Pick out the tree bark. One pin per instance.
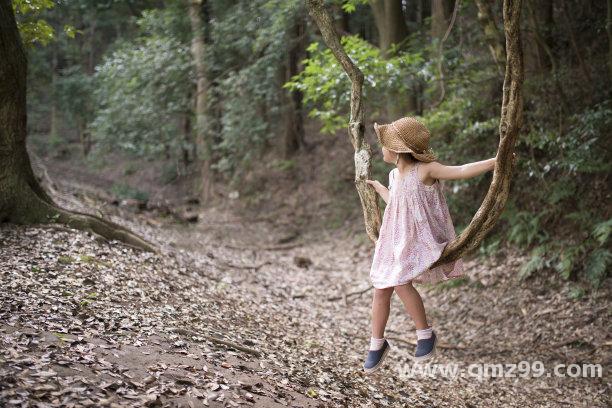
(609, 30)
(543, 10)
(294, 121)
(439, 18)
(22, 199)
(392, 29)
(441, 56)
(389, 19)
(363, 152)
(197, 51)
(552, 64)
(493, 37)
(574, 41)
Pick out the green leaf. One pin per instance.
(536, 263)
(597, 266)
(601, 231)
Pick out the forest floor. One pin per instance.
(239, 309)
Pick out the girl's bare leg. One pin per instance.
(381, 305)
(413, 304)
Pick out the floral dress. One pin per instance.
(416, 228)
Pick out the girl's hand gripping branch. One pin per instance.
(380, 189)
(436, 170)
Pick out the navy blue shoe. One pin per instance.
(426, 348)
(376, 357)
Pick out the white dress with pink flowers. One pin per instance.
(416, 228)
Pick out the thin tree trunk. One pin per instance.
(392, 29)
(441, 57)
(91, 65)
(493, 37)
(543, 13)
(53, 132)
(202, 145)
(439, 16)
(551, 58)
(356, 127)
(187, 139)
(609, 30)
(22, 199)
(389, 19)
(294, 129)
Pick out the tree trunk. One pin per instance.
(202, 145)
(609, 30)
(294, 129)
(22, 199)
(356, 127)
(439, 18)
(392, 29)
(441, 41)
(545, 24)
(543, 45)
(389, 19)
(53, 125)
(341, 20)
(492, 35)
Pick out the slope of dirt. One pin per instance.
(240, 311)
(265, 301)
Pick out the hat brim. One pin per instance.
(388, 139)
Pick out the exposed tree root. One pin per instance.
(45, 211)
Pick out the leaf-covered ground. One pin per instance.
(237, 312)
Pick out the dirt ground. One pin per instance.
(271, 308)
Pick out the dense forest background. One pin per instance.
(166, 96)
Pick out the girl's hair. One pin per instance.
(406, 156)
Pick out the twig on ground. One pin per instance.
(345, 296)
(237, 346)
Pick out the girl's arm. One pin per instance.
(384, 193)
(436, 170)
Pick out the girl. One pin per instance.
(416, 227)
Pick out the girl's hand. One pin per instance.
(377, 186)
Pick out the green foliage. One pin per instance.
(251, 40)
(73, 93)
(597, 265)
(601, 231)
(283, 165)
(326, 87)
(349, 6)
(33, 29)
(576, 293)
(65, 260)
(452, 283)
(169, 173)
(124, 191)
(536, 263)
(142, 90)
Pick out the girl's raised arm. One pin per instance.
(436, 170)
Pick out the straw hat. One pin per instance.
(406, 135)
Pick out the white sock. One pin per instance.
(376, 344)
(424, 333)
